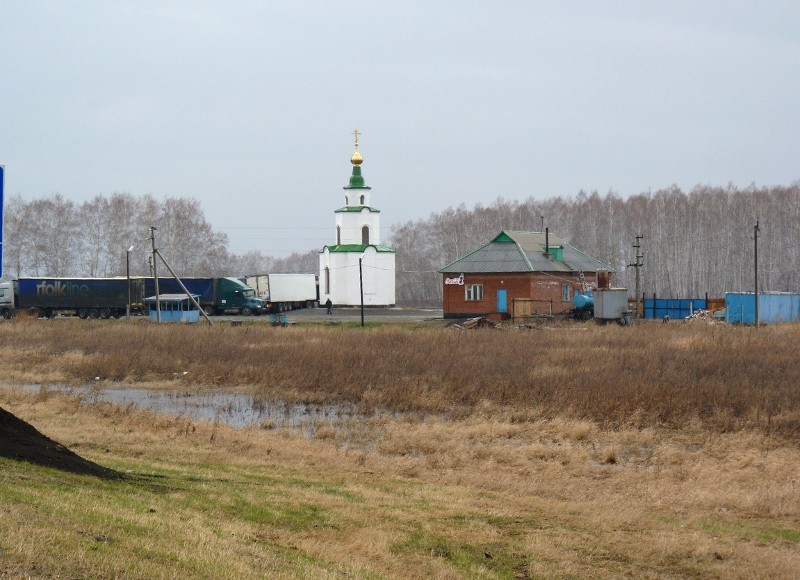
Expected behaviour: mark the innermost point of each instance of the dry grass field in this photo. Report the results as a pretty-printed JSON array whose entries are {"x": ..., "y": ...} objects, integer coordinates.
[{"x": 575, "y": 451}]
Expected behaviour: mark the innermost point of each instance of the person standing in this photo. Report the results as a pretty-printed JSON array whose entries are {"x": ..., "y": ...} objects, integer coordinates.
[{"x": 329, "y": 306}]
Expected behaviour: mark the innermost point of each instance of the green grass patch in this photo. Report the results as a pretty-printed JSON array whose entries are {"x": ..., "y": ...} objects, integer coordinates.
[
  {"x": 468, "y": 560},
  {"x": 750, "y": 532}
]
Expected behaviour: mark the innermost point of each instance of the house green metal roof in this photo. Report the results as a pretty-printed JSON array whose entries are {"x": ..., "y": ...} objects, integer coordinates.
[
  {"x": 355, "y": 248},
  {"x": 515, "y": 251},
  {"x": 356, "y": 209}
]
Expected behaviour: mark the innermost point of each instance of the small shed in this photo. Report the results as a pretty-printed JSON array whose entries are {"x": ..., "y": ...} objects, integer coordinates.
[
  {"x": 535, "y": 268},
  {"x": 174, "y": 308},
  {"x": 740, "y": 307}
]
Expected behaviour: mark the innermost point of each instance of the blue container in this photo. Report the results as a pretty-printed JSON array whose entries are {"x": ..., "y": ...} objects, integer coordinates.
[
  {"x": 583, "y": 301},
  {"x": 773, "y": 307}
]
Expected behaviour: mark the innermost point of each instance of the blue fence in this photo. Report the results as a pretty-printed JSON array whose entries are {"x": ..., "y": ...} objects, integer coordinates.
[{"x": 673, "y": 307}]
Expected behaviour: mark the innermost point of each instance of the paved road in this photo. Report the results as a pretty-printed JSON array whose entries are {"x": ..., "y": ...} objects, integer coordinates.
[
  {"x": 347, "y": 315},
  {"x": 397, "y": 315},
  {"x": 340, "y": 315}
]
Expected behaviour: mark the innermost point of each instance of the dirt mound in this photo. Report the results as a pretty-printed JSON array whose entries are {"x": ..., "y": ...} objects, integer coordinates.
[{"x": 21, "y": 441}]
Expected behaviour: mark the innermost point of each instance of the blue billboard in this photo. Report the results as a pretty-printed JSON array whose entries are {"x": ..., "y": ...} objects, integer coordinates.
[{"x": 2, "y": 203}]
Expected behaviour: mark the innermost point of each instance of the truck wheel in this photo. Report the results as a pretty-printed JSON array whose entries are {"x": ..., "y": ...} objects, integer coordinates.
[
  {"x": 105, "y": 313},
  {"x": 48, "y": 313},
  {"x": 246, "y": 311},
  {"x": 6, "y": 314},
  {"x": 83, "y": 313},
  {"x": 94, "y": 313}
]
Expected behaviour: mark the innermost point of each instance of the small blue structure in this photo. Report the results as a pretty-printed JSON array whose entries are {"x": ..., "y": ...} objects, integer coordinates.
[
  {"x": 174, "y": 308},
  {"x": 772, "y": 307},
  {"x": 278, "y": 320}
]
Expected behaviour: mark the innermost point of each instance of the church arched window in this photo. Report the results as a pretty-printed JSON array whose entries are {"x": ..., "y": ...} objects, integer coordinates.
[
  {"x": 338, "y": 235},
  {"x": 327, "y": 280},
  {"x": 365, "y": 235},
  {"x": 362, "y": 200}
]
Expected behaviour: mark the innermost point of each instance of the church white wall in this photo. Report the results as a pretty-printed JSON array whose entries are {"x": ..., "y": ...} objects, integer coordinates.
[
  {"x": 353, "y": 197},
  {"x": 350, "y": 224},
  {"x": 378, "y": 271}
]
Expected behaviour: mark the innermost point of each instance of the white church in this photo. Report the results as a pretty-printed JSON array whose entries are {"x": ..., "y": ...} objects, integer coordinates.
[{"x": 357, "y": 261}]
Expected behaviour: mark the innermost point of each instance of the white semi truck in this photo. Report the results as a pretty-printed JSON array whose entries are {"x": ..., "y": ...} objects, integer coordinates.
[{"x": 283, "y": 292}]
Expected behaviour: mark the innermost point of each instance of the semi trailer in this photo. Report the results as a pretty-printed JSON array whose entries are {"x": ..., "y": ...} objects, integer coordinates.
[
  {"x": 108, "y": 297},
  {"x": 83, "y": 297},
  {"x": 282, "y": 292}
]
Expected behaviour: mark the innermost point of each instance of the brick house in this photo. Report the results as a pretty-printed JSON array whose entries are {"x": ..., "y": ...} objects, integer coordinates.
[{"x": 535, "y": 266}]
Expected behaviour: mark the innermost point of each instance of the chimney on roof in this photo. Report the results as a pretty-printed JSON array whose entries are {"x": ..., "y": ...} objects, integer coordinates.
[{"x": 547, "y": 241}]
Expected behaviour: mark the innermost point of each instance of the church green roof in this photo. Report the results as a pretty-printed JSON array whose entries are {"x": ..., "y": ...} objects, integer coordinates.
[{"x": 356, "y": 179}]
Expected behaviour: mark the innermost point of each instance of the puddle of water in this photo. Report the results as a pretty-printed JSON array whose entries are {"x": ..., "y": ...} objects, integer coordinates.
[{"x": 233, "y": 409}]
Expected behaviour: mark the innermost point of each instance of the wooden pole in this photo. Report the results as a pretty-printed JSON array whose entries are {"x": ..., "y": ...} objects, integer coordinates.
[
  {"x": 755, "y": 267},
  {"x": 155, "y": 274}
]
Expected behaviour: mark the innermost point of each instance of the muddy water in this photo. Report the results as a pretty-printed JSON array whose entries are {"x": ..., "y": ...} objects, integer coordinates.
[{"x": 236, "y": 410}]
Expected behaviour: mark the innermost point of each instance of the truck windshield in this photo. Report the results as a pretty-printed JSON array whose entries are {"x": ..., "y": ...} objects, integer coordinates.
[{"x": 249, "y": 293}]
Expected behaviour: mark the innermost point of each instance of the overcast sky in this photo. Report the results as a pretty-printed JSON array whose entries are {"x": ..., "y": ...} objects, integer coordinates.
[{"x": 249, "y": 106}]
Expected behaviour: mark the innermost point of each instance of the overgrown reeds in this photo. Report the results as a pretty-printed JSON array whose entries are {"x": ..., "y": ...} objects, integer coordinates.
[{"x": 729, "y": 378}]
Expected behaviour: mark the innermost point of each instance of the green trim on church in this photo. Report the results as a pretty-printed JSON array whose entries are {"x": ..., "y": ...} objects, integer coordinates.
[
  {"x": 343, "y": 248},
  {"x": 356, "y": 209}
]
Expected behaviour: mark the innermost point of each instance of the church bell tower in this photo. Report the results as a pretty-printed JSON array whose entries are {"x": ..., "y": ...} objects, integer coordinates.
[{"x": 357, "y": 247}]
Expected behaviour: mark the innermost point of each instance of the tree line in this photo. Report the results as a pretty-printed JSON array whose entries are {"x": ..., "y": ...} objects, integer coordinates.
[
  {"x": 694, "y": 243},
  {"x": 54, "y": 236}
]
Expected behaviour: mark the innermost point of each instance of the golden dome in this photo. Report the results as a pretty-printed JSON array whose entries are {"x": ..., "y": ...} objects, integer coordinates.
[{"x": 356, "y": 159}]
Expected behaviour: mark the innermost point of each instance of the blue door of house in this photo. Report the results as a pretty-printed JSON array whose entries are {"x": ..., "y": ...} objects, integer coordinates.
[{"x": 502, "y": 300}]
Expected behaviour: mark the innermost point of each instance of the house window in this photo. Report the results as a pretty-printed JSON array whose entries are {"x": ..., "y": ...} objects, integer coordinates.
[
  {"x": 565, "y": 292},
  {"x": 365, "y": 235},
  {"x": 327, "y": 280},
  {"x": 474, "y": 292}
]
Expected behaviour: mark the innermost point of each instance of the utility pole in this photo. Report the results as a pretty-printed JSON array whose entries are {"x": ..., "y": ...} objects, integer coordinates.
[
  {"x": 128, "y": 276},
  {"x": 638, "y": 265},
  {"x": 155, "y": 273},
  {"x": 756, "y": 229},
  {"x": 361, "y": 286}
]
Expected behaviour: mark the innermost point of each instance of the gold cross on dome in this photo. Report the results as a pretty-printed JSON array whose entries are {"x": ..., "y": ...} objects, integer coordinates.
[{"x": 356, "y": 134}]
